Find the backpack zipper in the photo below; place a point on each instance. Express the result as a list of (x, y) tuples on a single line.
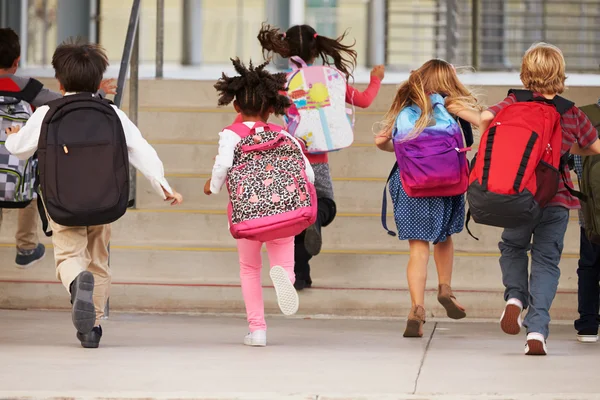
[(83, 144)]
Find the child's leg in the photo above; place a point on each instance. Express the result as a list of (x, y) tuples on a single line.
[(27, 227), (250, 267), (98, 240), (588, 274), (548, 240), (302, 259), (443, 254), (281, 258), (416, 271), (281, 252)]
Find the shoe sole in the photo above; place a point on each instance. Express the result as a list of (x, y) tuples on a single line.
[(312, 240), (31, 264), (84, 313), (412, 329), (253, 344), (287, 297), (535, 348), (452, 309), (90, 345), (510, 320), (587, 339)]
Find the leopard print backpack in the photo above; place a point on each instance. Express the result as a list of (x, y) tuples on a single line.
[(270, 194)]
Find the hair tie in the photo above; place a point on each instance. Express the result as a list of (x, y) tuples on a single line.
[(315, 35), (283, 35)]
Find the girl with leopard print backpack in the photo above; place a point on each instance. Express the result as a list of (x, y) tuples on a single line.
[(271, 188)]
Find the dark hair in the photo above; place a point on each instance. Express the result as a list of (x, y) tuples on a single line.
[(78, 66), (255, 89), (304, 42), (10, 48)]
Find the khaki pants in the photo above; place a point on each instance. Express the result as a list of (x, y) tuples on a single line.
[(27, 227), (77, 249)]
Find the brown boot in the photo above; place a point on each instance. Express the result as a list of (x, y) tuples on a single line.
[(453, 309), (414, 325)]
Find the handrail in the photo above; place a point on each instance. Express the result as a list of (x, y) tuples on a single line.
[(134, 19)]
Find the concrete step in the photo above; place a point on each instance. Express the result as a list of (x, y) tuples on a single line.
[(208, 228), (361, 285), (352, 196)]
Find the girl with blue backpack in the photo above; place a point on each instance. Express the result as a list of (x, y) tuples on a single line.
[(318, 115), (428, 182)]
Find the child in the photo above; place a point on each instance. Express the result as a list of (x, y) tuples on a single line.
[(29, 249), (81, 252), (422, 220), (542, 72), (255, 95), (303, 41)]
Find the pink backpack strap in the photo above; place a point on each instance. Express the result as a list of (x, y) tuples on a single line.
[(240, 129), (297, 61)]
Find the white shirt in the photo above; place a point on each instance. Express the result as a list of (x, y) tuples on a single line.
[(228, 140), (141, 155)]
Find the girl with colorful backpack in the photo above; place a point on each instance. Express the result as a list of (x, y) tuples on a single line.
[(270, 184), (428, 182), (318, 115)]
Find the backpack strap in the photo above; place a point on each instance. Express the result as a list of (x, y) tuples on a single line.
[(561, 104), (521, 95), (384, 201), (28, 93), (297, 63)]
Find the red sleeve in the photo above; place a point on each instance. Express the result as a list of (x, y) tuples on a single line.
[(586, 133), (238, 119), (363, 99), (495, 109)]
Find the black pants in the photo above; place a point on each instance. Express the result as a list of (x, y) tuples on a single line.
[(588, 275), (325, 216)]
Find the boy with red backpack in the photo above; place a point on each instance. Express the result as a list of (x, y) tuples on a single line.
[(520, 181)]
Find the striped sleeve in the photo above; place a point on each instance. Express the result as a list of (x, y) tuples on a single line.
[(587, 134), (495, 109)]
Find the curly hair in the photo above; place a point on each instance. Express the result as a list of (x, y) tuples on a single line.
[(303, 41), (256, 90)]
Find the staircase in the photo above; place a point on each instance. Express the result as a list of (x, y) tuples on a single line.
[(167, 259)]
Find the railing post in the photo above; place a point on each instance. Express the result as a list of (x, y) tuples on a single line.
[(475, 34), (451, 30), (131, 31), (297, 12), (160, 37), (376, 28)]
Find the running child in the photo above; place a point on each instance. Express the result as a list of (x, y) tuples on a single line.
[(263, 176), (304, 42), (420, 111)]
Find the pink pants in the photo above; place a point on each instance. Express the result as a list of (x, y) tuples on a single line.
[(281, 252)]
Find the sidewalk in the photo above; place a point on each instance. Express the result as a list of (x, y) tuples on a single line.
[(180, 356)]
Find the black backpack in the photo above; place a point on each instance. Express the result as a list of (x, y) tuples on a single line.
[(83, 162)]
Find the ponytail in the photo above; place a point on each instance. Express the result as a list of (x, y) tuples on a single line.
[(273, 40), (343, 56)]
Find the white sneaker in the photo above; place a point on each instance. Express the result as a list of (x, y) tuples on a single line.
[(287, 297), (587, 338), (511, 321), (536, 345), (256, 339)]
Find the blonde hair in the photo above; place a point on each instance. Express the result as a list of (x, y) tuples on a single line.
[(543, 69), (435, 76)]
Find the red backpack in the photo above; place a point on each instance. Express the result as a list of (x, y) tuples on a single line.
[(519, 164)]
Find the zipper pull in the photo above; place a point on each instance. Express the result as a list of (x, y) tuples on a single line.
[(66, 149)]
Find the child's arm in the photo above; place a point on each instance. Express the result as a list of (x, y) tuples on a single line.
[(144, 158), (223, 161), (364, 99), (23, 142), (384, 142), (587, 139), (471, 116)]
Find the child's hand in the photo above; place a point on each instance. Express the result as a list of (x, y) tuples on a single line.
[(109, 86), (11, 130), (207, 188), (378, 71), (174, 198)]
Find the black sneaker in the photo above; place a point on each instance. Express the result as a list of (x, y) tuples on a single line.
[(90, 340), (313, 240), (302, 284), (82, 299), (28, 258), (587, 336)]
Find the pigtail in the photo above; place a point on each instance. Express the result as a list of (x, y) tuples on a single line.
[(273, 40)]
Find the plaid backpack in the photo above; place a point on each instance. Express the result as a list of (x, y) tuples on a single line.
[(17, 177), (270, 194)]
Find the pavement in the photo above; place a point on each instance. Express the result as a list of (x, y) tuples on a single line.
[(174, 356)]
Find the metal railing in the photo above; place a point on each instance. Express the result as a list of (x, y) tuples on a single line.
[(492, 34)]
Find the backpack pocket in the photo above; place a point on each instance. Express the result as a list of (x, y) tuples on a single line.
[(547, 179), (429, 170)]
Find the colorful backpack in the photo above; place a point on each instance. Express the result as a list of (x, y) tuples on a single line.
[(17, 177), (318, 114), (519, 164), (590, 182), (270, 194)]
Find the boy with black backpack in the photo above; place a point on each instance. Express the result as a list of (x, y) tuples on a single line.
[(85, 145), (18, 98), (516, 184)]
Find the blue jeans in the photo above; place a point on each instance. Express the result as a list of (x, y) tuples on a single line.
[(588, 275), (538, 290)]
